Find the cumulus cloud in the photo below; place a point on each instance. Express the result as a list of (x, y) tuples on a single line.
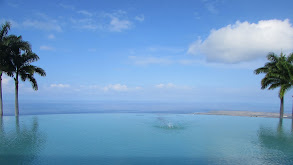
[(169, 85), (60, 85), (139, 18), (118, 25), (115, 87), (111, 87), (244, 41)]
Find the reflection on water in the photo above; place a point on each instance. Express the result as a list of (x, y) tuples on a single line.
[(20, 144), (277, 144)]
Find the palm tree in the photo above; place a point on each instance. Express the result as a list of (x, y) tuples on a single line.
[(22, 57), (279, 73), (4, 59), (25, 70)]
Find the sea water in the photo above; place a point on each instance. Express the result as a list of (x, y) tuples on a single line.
[(144, 138), (68, 107)]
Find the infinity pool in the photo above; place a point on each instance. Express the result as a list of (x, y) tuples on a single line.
[(145, 139)]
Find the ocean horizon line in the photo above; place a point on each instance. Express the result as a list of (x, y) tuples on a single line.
[(78, 107)]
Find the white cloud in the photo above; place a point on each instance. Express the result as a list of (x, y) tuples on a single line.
[(149, 60), (50, 25), (45, 47), (108, 88), (51, 36), (115, 87), (84, 12), (243, 65), (169, 85), (60, 85), (118, 25), (86, 23), (5, 80), (139, 18), (211, 7), (13, 23), (38, 21), (66, 6), (90, 27), (244, 41), (7, 84)]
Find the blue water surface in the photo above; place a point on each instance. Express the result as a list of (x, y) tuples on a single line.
[(144, 138)]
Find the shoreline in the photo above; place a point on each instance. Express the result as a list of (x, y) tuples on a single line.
[(245, 114)]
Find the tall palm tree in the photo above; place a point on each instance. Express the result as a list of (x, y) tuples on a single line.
[(25, 70), (4, 58), (22, 57), (279, 74)]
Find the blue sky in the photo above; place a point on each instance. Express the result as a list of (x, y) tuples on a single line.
[(185, 51)]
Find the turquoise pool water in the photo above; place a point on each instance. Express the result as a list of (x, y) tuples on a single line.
[(144, 139)]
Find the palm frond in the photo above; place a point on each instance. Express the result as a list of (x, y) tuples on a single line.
[(16, 44), (272, 57), (30, 77), (40, 71), (4, 30), (30, 57), (278, 73), (261, 70), (290, 58), (33, 82), (21, 57), (284, 88)]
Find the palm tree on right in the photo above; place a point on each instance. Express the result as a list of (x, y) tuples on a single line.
[(278, 74)]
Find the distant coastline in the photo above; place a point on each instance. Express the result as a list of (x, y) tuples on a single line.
[(245, 113)]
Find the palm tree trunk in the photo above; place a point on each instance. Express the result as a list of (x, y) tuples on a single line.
[(1, 103), (280, 126), (16, 96), (282, 107)]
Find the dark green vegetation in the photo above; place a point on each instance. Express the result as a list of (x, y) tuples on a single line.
[(278, 74), (16, 57), (4, 59)]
